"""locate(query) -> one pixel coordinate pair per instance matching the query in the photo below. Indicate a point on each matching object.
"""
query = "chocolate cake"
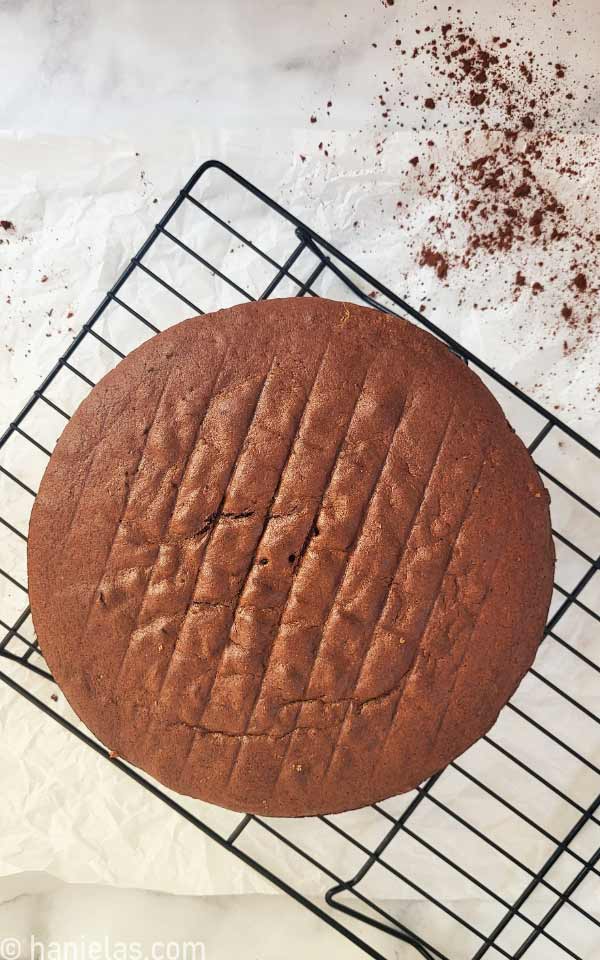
(290, 558)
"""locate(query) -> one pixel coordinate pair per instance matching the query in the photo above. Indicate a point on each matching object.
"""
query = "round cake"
(290, 558)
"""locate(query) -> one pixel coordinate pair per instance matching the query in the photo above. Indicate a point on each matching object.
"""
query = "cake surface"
(290, 558)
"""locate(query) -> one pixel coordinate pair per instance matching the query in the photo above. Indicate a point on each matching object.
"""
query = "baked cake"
(290, 558)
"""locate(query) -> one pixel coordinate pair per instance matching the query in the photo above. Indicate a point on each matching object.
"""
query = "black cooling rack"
(525, 801)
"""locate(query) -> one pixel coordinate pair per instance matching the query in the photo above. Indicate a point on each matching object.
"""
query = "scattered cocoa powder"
(431, 258)
(476, 98)
(496, 197)
(7, 225)
(492, 168)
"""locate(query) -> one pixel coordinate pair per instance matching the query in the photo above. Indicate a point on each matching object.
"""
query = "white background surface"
(106, 108)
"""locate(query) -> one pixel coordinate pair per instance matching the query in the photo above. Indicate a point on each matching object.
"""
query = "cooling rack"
(535, 776)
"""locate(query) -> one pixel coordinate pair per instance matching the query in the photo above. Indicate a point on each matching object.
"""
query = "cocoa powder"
(505, 184)
(504, 164)
(432, 258)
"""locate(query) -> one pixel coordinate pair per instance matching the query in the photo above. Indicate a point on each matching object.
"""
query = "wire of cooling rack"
(524, 905)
